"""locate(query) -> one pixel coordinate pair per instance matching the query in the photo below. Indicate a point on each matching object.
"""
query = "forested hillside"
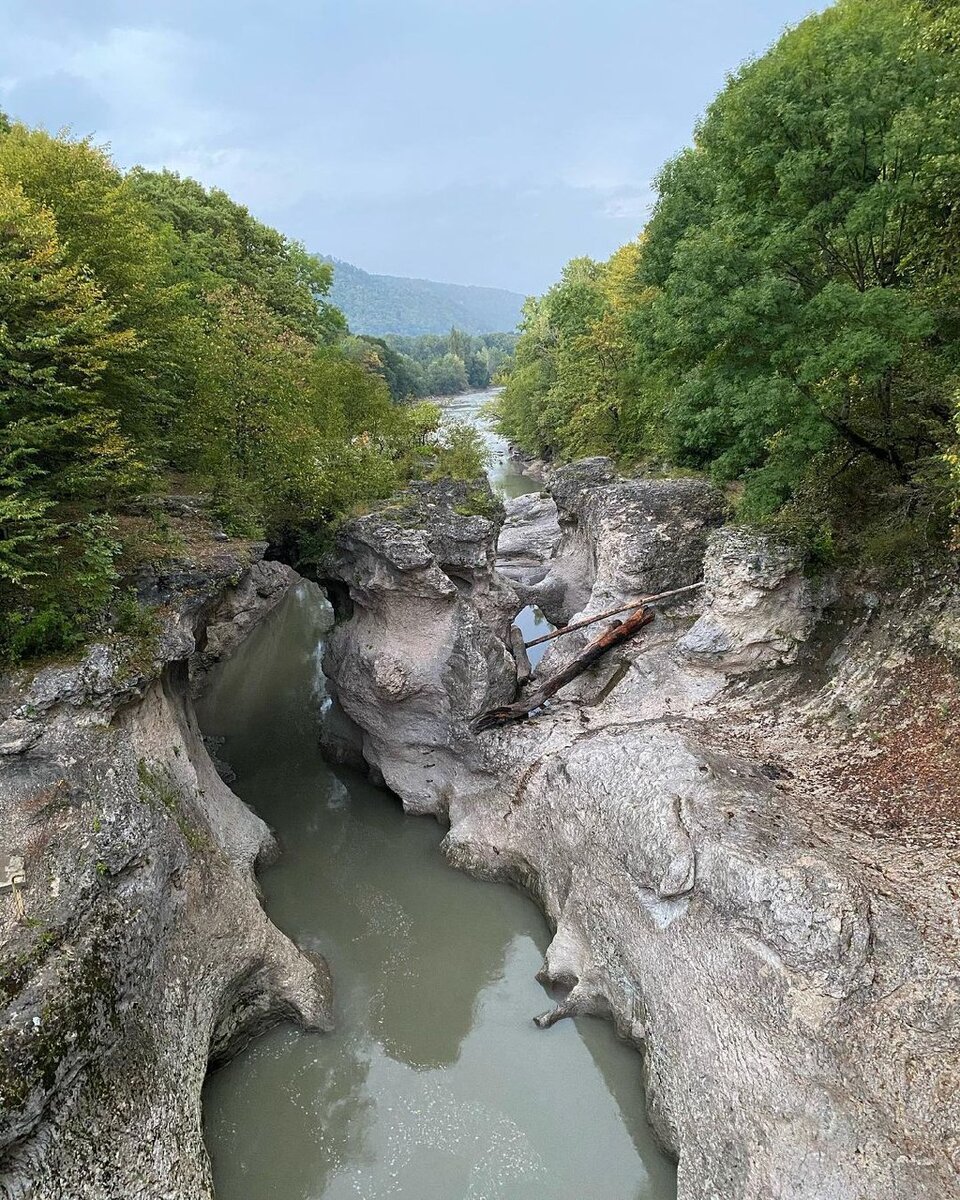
(154, 335)
(384, 304)
(789, 320)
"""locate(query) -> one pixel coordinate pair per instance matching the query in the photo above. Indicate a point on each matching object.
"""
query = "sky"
(472, 141)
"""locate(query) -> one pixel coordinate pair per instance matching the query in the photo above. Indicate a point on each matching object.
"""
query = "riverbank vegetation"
(455, 362)
(432, 365)
(789, 319)
(154, 336)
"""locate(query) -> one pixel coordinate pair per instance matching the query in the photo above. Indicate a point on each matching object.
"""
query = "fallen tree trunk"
(617, 634)
(613, 612)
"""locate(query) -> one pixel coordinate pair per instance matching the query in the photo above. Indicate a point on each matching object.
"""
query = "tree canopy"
(150, 326)
(788, 320)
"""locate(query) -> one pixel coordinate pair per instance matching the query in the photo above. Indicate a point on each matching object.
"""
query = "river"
(435, 1085)
(508, 480)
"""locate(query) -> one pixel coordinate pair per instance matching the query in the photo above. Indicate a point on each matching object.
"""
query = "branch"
(519, 711)
(613, 612)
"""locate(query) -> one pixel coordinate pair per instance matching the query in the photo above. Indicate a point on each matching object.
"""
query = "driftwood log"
(619, 632)
(613, 612)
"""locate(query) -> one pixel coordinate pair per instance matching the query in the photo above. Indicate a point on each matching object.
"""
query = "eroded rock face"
(424, 643)
(527, 543)
(242, 607)
(624, 538)
(142, 951)
(794, 1000)
(760, 606)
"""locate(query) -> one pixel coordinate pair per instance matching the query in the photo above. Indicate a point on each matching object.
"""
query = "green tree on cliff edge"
(794, 324)
(63, 453)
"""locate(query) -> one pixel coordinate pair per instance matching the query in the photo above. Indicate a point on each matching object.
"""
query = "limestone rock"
(794, 997)
(243, 606)
(759, 608)
(425, 639)
(527, 541)
(144, 950)
(624, 538)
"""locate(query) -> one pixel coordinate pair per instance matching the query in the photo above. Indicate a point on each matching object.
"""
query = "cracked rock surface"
(789, 974)
(142, 951)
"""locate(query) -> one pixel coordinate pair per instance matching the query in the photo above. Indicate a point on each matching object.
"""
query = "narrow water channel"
(506, 478)
(435, 1085)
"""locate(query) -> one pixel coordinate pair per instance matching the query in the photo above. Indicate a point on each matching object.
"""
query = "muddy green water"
(435, 1085)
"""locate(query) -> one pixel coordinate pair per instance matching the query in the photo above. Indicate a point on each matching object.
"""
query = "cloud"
(141, 78)
(630, 205)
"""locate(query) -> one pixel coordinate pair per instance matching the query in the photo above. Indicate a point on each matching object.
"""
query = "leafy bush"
(461, 452)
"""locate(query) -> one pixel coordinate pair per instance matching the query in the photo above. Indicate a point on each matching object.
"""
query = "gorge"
(543, 793)
(777, 960)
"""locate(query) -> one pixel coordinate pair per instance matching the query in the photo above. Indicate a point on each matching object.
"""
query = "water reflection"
(435, 1085)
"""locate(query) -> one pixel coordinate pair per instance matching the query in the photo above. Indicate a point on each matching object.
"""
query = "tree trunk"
(618, 633)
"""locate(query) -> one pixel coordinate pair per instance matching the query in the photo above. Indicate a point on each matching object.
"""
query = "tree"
(62, 454)
(401, 374)
(150, 326)
(790, 318)
(217, 242)
(446, 376)
(105, 229)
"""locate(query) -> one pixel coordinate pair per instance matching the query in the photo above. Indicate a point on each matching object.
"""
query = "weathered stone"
(623, 539)
(568, 484)
(425, 638)
(760, 608)
(144, 950)
(797, 1006)
(527, 541)
(242, 607)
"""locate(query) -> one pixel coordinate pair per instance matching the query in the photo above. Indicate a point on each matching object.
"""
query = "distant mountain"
(380, 304)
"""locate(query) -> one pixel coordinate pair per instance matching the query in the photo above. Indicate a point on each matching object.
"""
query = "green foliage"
(402, 375)
(422, 420)
(446, 376)
(461, 452)
(480, 502)
(572, 384)
(218, 243)
(389, 304)
(790, 318)
(448, 364)
(149, 325)
(62, 453)
(106, 231)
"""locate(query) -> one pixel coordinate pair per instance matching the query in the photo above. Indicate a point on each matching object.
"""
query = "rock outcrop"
(789, 971)
(761, 607)
(527, 542)
(134, 948)
(623, 538)
(425, 641)
(243, 606)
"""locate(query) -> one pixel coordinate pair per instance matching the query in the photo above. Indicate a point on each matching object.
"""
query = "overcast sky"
(476, 141)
